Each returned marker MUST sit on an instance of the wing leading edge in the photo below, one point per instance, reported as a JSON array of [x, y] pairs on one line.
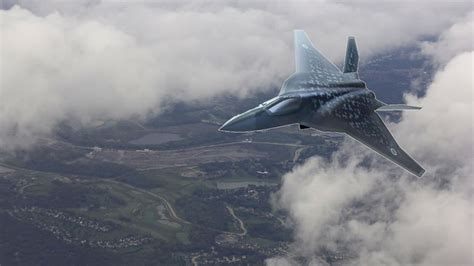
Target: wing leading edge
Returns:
[[371, 131], [308, 59]]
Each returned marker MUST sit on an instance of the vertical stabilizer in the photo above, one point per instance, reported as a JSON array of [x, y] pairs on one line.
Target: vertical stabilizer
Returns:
[[351, 61]]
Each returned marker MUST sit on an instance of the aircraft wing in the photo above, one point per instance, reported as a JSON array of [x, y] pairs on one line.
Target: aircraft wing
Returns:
[[308, 59], [371, 131]]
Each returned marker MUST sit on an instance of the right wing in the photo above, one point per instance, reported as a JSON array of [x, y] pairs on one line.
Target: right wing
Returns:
[[371, 131], [397, 107], [309, 59]]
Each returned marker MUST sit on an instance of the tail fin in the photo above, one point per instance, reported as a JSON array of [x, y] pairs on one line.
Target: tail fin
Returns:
[[351, 61]]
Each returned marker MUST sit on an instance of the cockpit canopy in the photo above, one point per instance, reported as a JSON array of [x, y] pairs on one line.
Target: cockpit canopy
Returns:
[[282, 106]]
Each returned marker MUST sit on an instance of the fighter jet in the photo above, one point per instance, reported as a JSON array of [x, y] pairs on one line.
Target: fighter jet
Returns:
[[322, 97]]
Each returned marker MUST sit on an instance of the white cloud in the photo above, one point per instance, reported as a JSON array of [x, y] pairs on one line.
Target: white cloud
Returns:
[[87, 60], [458, 38], [61, 68], [315, 194], [446, 120]]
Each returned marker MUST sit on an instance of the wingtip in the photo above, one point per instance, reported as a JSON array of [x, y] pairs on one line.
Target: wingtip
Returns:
[[420, 173], [397, 107]]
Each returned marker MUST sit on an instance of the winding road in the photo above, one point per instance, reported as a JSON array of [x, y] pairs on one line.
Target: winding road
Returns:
[[168, 205], [241, 223]]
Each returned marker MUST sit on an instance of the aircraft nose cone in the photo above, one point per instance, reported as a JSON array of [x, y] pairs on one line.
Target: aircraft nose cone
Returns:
[[239, 124], [226, 126]]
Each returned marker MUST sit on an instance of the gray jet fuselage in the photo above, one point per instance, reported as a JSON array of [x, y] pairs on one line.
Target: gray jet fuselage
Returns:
[[314, 107]]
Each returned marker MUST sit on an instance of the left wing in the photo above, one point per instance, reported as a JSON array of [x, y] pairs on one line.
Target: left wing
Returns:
[[309, 59], [371, 131]]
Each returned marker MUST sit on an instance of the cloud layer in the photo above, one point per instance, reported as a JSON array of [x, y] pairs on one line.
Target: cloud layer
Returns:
[[368, 211], [452, 41], [88, 60]]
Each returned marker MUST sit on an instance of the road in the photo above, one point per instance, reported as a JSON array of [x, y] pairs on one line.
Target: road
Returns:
[[168, 205], [194, 260], [22, 189], [235, 143], [242, 227], [173, 214], [297, 154], [241, 223]]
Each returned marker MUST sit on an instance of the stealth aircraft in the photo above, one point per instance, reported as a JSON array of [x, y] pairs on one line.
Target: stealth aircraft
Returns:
[[320, 96]]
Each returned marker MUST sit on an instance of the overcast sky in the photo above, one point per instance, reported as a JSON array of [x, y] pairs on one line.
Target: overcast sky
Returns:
[[89, 60]]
